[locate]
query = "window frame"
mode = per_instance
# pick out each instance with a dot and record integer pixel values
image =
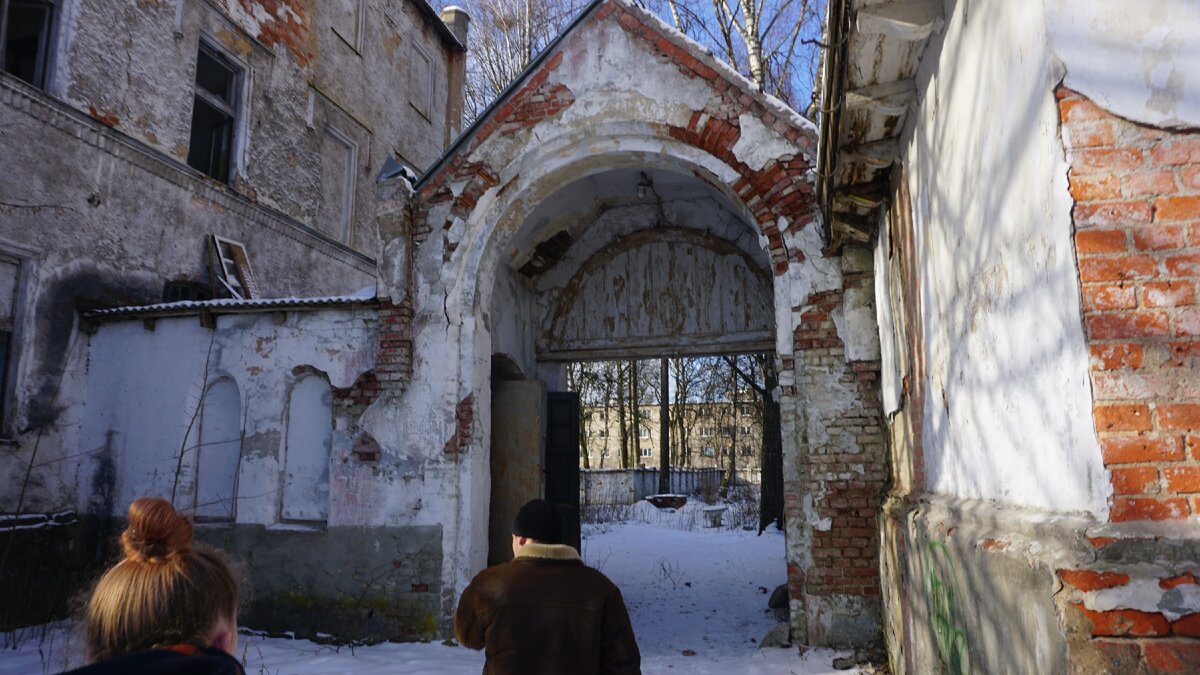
(25, 259)
(44, 71)
(238, 110)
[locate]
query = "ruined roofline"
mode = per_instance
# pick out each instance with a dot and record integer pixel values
(723, 70)
(230, 306)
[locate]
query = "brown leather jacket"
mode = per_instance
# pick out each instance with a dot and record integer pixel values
(548, 613)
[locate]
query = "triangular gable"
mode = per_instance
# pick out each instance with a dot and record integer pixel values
(779, 186)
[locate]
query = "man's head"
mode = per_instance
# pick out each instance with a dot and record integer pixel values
(538, 520)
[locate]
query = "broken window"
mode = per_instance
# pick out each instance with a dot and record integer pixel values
(214, 114)
(25, 32)
(218, 452)
(309, 445)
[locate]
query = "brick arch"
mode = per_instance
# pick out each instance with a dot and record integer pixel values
(781, 188)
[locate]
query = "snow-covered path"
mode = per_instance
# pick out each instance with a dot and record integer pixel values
(687, 591)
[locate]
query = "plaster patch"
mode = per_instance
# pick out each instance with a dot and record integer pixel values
(757, 144)
(1147, 596)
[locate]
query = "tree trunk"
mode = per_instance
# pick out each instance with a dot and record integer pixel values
(730, 478)
(664, 430)
(621, 393)
(635, 406)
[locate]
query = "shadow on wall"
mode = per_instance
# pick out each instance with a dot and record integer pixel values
(1003, 346)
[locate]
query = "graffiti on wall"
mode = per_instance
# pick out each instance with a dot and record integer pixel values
(942, 597)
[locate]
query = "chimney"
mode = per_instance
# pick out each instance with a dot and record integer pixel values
(457, 20)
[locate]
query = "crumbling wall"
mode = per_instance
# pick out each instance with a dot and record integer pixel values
(579, 114)
(1036, 267)
(369, 570)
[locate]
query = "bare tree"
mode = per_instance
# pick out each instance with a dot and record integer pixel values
(770, 41)
(506, 35)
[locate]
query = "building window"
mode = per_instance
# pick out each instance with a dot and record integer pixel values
(27, 27)
(643, 432)
(707, 451)
(646, 452)
(603, 433)
(745, 430)
(705, 432)
(420, 83)
(747, 451)
(214, 115)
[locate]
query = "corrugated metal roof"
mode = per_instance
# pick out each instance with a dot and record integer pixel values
(227, 306)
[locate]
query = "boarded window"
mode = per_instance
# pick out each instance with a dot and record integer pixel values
(347, 21)
(338, 157)
(420, 82)
(25, 39)
(10, 274)
(214, 114)
(218, 452)
(309, 443)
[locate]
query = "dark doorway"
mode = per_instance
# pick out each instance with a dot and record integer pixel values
(562, 460)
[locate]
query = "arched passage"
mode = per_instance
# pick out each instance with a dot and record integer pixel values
(577, 158)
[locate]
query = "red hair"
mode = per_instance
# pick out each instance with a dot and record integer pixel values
(163, 591)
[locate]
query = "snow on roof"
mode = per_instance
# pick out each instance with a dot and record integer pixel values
(366, 296)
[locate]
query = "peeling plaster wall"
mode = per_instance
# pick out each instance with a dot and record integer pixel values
(1139, 65)
(307, 69)
(143, 388)
(1007, 413)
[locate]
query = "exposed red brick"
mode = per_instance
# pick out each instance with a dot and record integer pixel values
(1150, 183)
(1122, 417)
(1101, 241)
(1179, 415)
(1183, 150)
(1088, 580)
(1106, 160)
(1168, 293)
(1113, 356)
(1112, 214)
(1127, 623)
(1127, 325)
(1134, 508)
(1134, 480)
(1185, 579)
(1182, 479)
(1160, 238)
(1131, 450)
(1074, 109)
(1172, 656)
(1187, 264)
(1118, 267)
(1177, 208)
(1094, 187)
(1188, 625)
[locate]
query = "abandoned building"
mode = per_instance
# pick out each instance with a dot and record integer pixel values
(702, 435)
(977, 275)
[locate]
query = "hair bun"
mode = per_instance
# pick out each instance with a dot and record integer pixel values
(155, 530)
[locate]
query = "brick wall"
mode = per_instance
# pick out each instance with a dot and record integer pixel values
(846, 473)
(1137, 222)
(1137, 237)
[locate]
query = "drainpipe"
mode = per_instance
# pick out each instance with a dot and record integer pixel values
(832, 85)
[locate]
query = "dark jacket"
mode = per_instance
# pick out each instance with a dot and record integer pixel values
(547, 613)
(173, 660)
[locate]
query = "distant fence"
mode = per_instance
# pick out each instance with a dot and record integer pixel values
(627, 486)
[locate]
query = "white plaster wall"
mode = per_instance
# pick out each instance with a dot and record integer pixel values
(1008, 403)
(143, 386)
(1139, 60)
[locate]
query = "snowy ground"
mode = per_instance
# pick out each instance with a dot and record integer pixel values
(697, 599)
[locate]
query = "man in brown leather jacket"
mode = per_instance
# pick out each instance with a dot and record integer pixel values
(545, 611)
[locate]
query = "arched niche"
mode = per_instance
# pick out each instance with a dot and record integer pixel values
(218, 452)
(305, 482)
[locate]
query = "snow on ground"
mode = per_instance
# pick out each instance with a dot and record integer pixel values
(689, 589)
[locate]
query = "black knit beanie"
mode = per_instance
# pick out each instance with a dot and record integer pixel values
(540, 520)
